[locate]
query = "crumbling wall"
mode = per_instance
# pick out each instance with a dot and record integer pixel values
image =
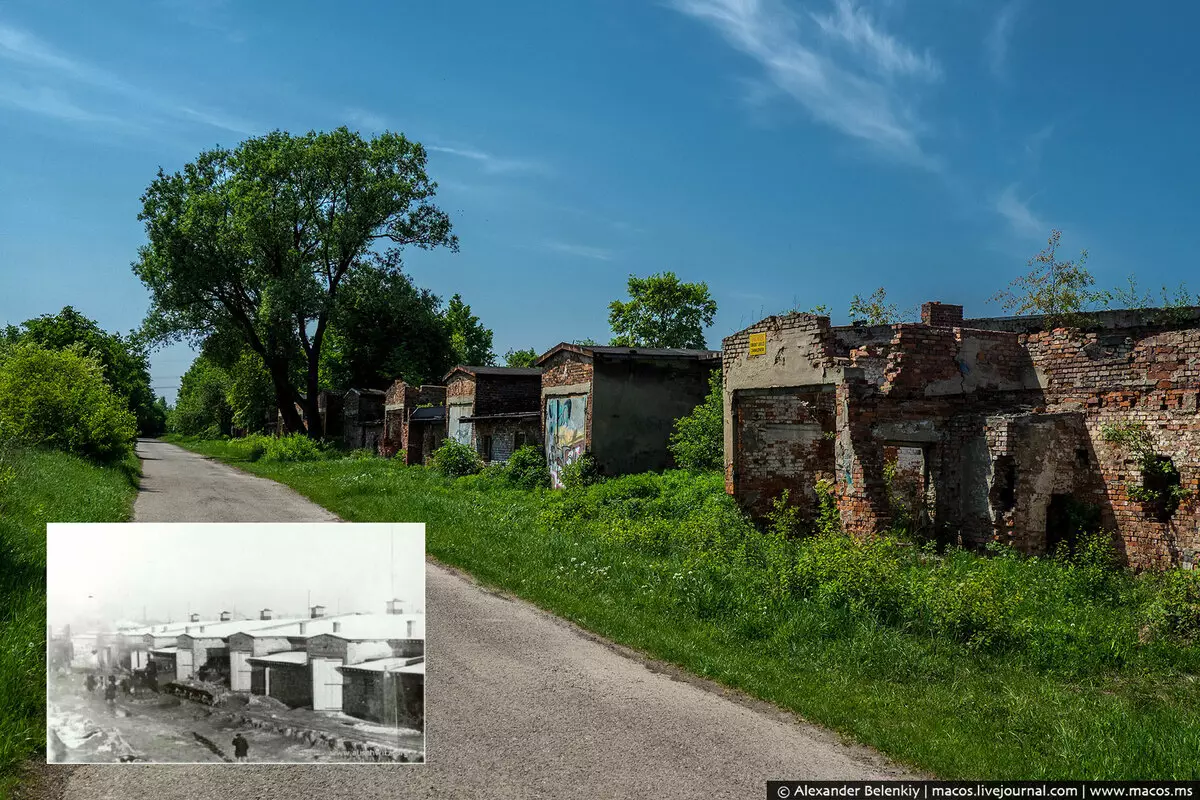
(1142, 377)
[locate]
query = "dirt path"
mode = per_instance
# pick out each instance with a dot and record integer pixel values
(520, 704)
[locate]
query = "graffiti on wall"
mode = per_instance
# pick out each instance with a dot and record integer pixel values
(566, 433)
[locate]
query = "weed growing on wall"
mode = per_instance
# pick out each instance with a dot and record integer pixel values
(1160, 489)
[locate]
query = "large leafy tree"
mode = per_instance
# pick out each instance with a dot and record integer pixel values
(202, 407)
(662, 312)
(386, 328)
(257, 242)
(122, 359)
(471, 342)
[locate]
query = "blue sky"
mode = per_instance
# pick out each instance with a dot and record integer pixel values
(784, 152)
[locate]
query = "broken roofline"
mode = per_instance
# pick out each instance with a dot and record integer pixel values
(592, 351)
(1125, 318)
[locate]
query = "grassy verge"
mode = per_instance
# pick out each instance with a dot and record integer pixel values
(37, 487)
(967, 667)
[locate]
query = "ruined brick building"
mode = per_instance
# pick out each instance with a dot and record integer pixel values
(1007, 429)
(362, 418)
(414, 421)
(618, 403)
(494, 409)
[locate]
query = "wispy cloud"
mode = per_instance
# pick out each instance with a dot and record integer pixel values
(492, 164)
(48, 75)
(996, 42)
(582, 251)
(889, 56)
(1022, 220)
(855, 92)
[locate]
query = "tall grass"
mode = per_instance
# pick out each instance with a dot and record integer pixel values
(37, 487)
(967, 666)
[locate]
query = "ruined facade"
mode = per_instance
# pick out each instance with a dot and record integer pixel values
(400, 433)
(494, 409)
(362, 414)
(618, 403)
(999, 429)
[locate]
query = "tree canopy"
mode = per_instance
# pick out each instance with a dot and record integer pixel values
(470, 341)
(122, 360)
(521, 358)
(257, 242)
(386, 328)
(662, 312)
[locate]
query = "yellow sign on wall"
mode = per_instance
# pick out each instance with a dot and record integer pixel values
(758, 344)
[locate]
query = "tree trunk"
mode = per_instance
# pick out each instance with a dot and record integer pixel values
(316, 425)
(285, 396)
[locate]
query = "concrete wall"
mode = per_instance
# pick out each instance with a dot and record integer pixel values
(635, 402)
(460, 402)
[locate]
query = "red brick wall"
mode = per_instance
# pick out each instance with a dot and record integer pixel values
(1152, 378)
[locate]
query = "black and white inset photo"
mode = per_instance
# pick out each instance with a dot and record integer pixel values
(227, 643)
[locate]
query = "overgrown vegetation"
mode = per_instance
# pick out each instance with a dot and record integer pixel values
(1160, 488)
(455, 459)
(965, 665)
(60, 399)
(38, 486)
(698, 443)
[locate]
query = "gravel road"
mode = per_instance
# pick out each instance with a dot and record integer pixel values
(519, 703)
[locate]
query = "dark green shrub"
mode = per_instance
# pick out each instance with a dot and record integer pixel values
(455, 459)
(60, 399)
(581, 472)
(527, 468)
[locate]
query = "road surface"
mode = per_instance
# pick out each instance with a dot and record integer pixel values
(519, 704)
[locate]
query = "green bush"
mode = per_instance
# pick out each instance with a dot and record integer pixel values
(60, 399)
(580, 473)
(293, 447)
(527, 468)
(251, 447)
(697, 443)
(1174, 613)
(455, 459)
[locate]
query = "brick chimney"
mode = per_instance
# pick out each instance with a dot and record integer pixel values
(395, 606)
(317, 611)
(337, 627)
(225, 616)
(410, 627)
(303, 627)
(942, 315)
(265, 614)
